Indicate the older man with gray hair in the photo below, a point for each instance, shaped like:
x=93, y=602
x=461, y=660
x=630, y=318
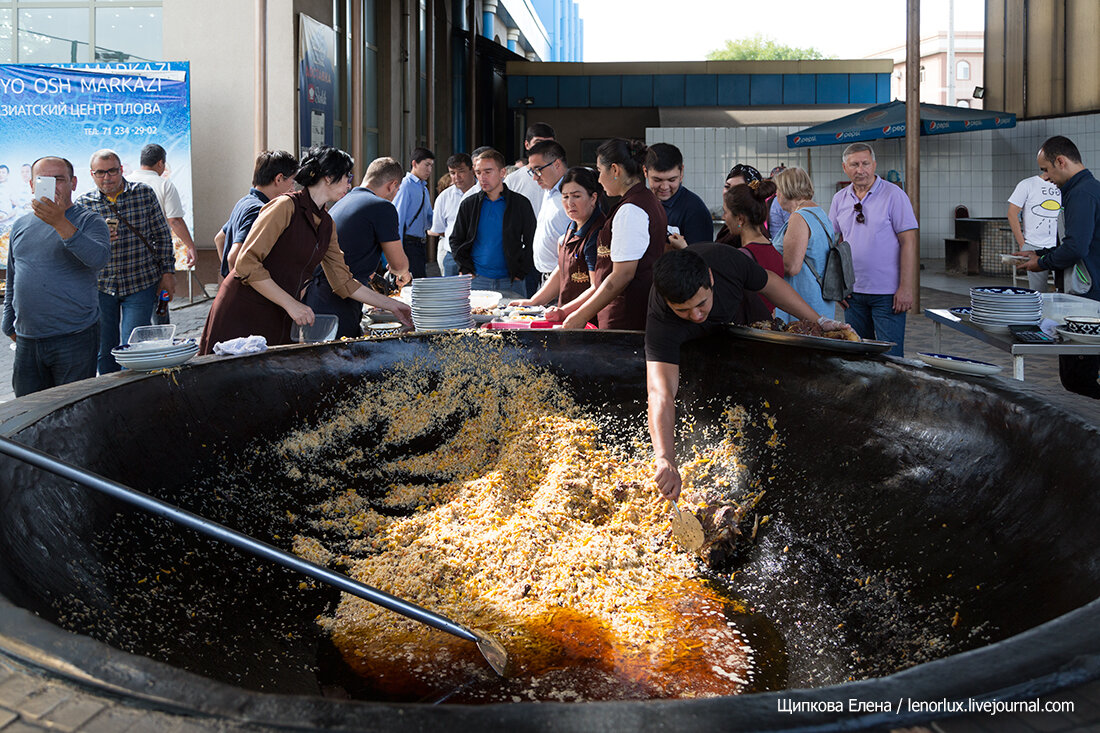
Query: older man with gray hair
x=367, y=227
x=877, y=220
x=142, y=261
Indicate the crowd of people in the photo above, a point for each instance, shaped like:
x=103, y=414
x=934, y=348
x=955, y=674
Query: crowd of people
x=622, y=246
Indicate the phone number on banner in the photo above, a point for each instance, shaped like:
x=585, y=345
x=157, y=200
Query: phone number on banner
x=120, y=130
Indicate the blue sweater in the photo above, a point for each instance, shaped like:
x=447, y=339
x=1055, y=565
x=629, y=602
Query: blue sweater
x=51, y=282
x=1081, y=205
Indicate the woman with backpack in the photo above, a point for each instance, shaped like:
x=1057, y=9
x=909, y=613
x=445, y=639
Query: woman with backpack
x=803, y=241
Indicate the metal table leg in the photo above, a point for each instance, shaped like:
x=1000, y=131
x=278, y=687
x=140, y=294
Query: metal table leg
x=1018, y=367
x=937, y=335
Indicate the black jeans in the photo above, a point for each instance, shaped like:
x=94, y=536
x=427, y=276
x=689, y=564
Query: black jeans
x=49, y=362
x=1079, y=374
x=416, y=249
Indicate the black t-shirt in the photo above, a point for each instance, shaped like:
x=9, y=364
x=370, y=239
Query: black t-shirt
x=734, y=273
x=363, y=221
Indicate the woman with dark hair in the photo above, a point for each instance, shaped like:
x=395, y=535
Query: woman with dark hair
x=292, y=235
x=741, y=173
x=584, y=203
x=627, y=246
x=745, y=212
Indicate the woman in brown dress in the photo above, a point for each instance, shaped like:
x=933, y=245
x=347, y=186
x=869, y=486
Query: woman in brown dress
x=582, y=200
x=628, y=245
x=291, y=236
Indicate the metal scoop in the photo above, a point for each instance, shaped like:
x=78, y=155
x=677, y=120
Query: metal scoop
x=686, y=529
x=490, y=648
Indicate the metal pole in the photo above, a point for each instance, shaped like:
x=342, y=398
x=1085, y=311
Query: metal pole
x=260, y=134
x=473, y=137
x=355, y=118
x=224, y=534
x=951, y=53
x=912, y=129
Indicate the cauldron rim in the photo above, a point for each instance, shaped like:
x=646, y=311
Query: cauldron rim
x=1060, y=653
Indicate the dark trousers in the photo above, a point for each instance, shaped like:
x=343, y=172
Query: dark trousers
x=49, y=362
x=416, y=249
x=1079, y=374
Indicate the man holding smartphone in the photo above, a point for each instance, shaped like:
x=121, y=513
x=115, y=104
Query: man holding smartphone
x=51, y=305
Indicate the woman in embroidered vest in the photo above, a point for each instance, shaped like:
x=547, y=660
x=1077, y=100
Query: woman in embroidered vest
x=583, y=200
x=803, y=241
x=632, y=240
x=291, y=236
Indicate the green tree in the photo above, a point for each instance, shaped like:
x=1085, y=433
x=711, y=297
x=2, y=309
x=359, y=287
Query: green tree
x=761, y=48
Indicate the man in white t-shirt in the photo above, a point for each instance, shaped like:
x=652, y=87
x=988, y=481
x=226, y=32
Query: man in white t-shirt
x=154, y=160
x=547, y=166
x=1039, y=202
x=461, y=168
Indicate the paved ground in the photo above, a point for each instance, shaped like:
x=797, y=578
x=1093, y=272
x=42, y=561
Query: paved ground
x=31, y=702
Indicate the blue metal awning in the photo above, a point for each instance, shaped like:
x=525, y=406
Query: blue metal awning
x=888, y=120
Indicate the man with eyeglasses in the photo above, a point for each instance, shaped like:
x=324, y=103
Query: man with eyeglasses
x=521, y=181
x=51, y=307
x=876, y=218
x=546, y=165
x=142, y=262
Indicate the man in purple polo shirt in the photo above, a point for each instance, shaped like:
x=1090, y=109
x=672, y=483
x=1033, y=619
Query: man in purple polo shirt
x=877, y=220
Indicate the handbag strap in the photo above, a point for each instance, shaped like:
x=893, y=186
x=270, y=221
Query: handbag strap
x=423, y=198
x=124, y=220
x=824, y=231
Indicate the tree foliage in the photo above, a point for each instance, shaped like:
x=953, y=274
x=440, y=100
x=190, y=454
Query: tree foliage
x=761, y=48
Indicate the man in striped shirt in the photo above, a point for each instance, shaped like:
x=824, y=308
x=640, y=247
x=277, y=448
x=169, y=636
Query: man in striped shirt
x=142, y=262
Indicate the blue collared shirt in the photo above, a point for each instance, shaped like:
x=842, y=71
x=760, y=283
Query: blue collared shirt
x=240, y=222
x=414, y=207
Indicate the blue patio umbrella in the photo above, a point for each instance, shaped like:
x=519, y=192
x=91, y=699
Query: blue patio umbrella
x=888, y=120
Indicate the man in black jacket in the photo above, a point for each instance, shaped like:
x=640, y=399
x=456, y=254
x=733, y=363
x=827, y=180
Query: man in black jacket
x=494, y=230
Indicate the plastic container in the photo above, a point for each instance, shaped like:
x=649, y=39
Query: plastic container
x=323, y=329
x=1056, y=306
x=152, y=337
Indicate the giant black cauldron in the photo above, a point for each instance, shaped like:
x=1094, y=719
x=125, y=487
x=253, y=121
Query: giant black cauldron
x=957, y=495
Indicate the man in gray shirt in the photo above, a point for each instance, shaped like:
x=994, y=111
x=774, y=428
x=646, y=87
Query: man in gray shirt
x=51, y=304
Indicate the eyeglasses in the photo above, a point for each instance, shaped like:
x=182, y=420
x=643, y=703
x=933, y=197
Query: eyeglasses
x=536, y=171
x=860, y=218
x=112, y=172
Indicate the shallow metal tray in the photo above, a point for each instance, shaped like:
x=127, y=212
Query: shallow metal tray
x=812, y=342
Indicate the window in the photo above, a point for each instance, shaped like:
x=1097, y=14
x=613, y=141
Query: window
x=962, y=70
x=53, y=35
x=128, y=34
x=49, y=31
x=7, y=55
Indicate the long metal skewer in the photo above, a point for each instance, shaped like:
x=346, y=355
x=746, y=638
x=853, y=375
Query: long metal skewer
x=490, y=648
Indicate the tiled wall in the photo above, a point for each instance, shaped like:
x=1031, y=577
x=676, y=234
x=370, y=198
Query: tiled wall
x=975, y=169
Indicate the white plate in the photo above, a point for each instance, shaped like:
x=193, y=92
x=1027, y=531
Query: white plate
x=988, y=327
x=384, y=327
x=147, y=365
x=1081, y=338
x=959, y=364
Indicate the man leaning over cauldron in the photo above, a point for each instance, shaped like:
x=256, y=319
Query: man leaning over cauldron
x=695, y=292
x=1060, y=163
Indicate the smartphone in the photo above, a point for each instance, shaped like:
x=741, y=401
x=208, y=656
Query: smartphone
x=45, y=187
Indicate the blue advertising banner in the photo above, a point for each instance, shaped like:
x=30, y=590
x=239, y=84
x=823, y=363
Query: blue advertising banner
x=73, y=110
x=316, y=83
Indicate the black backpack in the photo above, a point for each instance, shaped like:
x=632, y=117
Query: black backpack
x=838, y=277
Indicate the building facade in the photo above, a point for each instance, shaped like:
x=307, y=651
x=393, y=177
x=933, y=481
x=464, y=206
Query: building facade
x=948, y=76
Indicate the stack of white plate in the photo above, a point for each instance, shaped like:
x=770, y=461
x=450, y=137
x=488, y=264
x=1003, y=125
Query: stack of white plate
x=144, y=358
x=441, y=302
x=995, y=309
